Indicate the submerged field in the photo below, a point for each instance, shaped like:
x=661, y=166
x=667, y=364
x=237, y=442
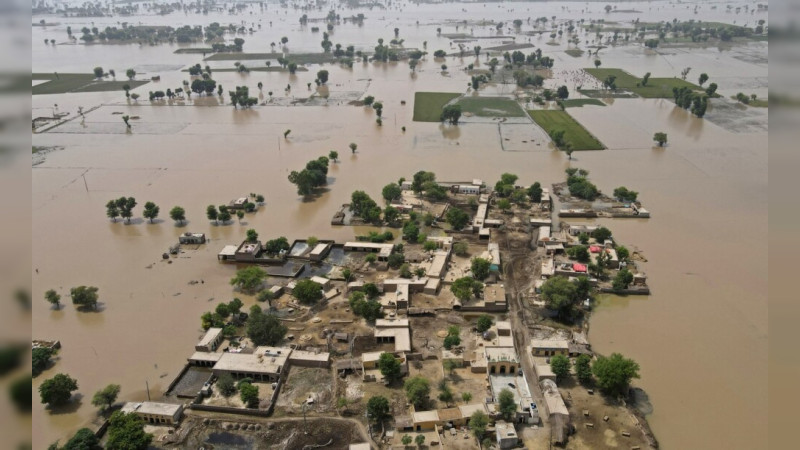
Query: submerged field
x=574, y=132
x=64, y=83
x=490, y=107
x=655, y=88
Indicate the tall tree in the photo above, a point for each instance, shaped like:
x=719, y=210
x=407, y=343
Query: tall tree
x=378, y=408
x=265, y=329
x=560, y=366
x=58, y=390
x=177, y=214
x=105, y=398
x=212, y=213
x=506, y=404
x=84, y=296
x=249, y=278
x=417, y=390
x=53, y=298
x=126, y=432
x=151, y=211
x=614, y=373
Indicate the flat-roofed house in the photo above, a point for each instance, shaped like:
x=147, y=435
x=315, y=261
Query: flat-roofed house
x=383, y=250
x=320, y=251
x=549, y=347
x=265, y=364
x=425, y=420
x=210, y=341
x=155, y=413
x=501, y=360
x=438, y=266
x=506, y=435
x=204, y=359
x=192, y=238
x=248, y=251
x=310, y=359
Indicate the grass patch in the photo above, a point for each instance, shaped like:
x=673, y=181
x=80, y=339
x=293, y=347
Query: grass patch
x=758, y=103
x=299, y=58
x=77, y=82
x=574, y=52
x=491, y=107
x=574, y=132
x=656, y=87
x=579, y=102
x=600, y=93
x=428, y=105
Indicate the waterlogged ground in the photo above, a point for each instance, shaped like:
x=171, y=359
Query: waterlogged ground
x=706, y=190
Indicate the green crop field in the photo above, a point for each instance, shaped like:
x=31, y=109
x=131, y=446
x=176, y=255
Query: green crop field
x=77, y=82
x=656, y=87
x=491, y=107
x=428, y=105
x=574, y=132
x=579, y=102
x=299, y=58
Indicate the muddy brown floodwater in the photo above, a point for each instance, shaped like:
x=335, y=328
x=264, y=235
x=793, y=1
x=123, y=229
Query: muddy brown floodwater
x=700, y=338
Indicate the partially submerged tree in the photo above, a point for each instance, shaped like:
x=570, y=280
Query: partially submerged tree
x=84, y=296
x=58, y=390
x=105, y=398
x=249, y=279
x=614, y=373
x=660, y=138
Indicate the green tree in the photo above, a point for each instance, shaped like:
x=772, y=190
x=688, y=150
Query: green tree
x=20, y=391
x=660, y=138
x=614, y=373
x=483, y=323
x=353, y=146
x=417, y=391
x=466, y=397
x=83, y=439
x=333, y=155
x=130, y=73
x=322, y=76
x=583, y=368
x=560, y=366
x=461, y=248
x=457, y=218
x=645, y=79
x=249, y=279
x=265, y=329
x=151, y=211
x=389, y=366
x=252, y=235
x=622, y=280
x=396, y=260
x=178, y=214
x=126, y=432
x=535, y=192
x=451, y=341
x=419, y=440
x=368, y=100
x=112, y=211
x=451, y=113
x=57, y=391
x=478, y=422
x=223, y=310
x=105, y=398
x=391, y=191
x=212, y=213
x=562, y=92
x=560, y=294
x=249, y=394
x=506, y=404
x=411, y=231
x=622, y=253
x=307, y=292
x=378, y=408
x=98, y=72
x=465, y=288
x=275, y=246
x=53, y=298
x=84, y=296
x=407, y=440
x=40, y=359
x=226, y=385
x=504, y=204
x=597, y=63
x=480, y=268
x=583, y=238
x=711, y=90
x=703, y=78
x=623, y=194
x=579, y=252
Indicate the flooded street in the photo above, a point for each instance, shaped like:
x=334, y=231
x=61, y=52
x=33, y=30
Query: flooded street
x=700, y=338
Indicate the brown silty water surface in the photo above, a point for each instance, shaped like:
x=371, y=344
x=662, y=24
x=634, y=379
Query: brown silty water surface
x=700, y=338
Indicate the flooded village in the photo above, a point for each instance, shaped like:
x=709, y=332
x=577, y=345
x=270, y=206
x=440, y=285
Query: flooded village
x=394, y=224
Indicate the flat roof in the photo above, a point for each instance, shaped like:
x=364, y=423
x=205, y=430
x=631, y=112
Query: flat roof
x=402, y=337
x=205, y=356
x=371, y=356
x=504, y=429
x=399, y=281
x=252, y=363
x=433, y=283
x=391, y=323
x=544, y=233
x=442, y=239
x=321, y=280
x=438, y=264
x=425, y=416
x=501, y=354
x=550, y=343
x=544, y=370
x=211, y=335
x=504, y=325
x=367, y=245
x=449, y=414
x=494, y=293
x=319, y=248
x=229, y=250
x=304, y=355
x=468, y=410
x=152, y=408
x=361, y=446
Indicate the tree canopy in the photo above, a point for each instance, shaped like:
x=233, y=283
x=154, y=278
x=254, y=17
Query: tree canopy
x=58, y=390
x=560, y=365
x=307, y=292
x=417, y=391
x=614, y=373
x=378, y=407
x=457, y=218
x=506, y=404
x=106, y=397
x=389, y=366
x=465, y=288
x=84, y=296
x=480, y=268
x=484, y=322
x=264, y=328
x=249, y=279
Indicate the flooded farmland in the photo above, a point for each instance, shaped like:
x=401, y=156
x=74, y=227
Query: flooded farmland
x=700, y=338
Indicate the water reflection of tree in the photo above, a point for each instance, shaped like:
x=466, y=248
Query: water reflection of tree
x=452, y=132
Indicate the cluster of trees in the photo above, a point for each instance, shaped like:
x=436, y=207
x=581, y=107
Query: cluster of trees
x=142, y=33
x=534, y=59
x=219, y=318
x=241, y=97
x=121, y=207
x=466, y=287
x=223, y=214
x=248, y=393
x=264, y=328
x=744, y=98
x=622, y=280
x=204, y=86
x=249, y=279
x=579, y=184
x=232, y=48
x=451, y=114
x=457, y=218
x=365, y=306
x=362, y=205
x=84, y=297
x=561, y=294
x=374, y=236
x=483, y=323
x=307, y=292
x=686, y=98
x=625, y=195
x=506, y=188
x=425, y=183
x=384, y=53
x=274, y=247
x=40, y=359
x=453, y=338
x=315, y=175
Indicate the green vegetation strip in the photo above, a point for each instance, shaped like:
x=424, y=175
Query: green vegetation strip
x=574, y=52
x=490, y=107
x=299, y=58
x=254, y=69
x=77, y=82
x=574, y=132
x=428, y=105
x=656, y=87
x=579, y=102
x=194, y=50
